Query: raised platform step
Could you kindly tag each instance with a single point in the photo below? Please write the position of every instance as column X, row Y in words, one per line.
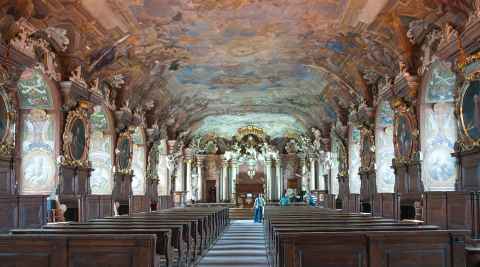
column 241, row 213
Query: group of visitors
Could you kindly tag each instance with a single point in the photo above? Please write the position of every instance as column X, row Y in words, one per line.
column 259, row 204
column 310, row 199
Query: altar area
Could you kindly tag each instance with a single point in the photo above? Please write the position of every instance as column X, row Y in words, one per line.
column 235, row 170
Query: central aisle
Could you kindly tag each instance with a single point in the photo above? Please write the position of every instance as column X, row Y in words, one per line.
column 242, row 244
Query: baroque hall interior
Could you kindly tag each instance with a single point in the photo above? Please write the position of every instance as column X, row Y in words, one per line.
column 155, row 131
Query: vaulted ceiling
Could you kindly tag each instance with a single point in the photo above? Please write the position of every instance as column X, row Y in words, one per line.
column 206, row 63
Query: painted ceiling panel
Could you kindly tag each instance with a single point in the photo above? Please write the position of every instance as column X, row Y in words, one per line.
column 275, row 125
column 311, row 59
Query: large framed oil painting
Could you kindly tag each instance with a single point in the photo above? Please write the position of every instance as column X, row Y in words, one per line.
column 470, row 110
column 76, row 136
column 124, row 152
column 403, row 135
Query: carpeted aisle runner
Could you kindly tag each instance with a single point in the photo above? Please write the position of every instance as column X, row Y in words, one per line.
column 242, row 244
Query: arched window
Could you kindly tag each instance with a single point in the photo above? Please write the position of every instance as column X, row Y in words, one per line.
column 100, row 152
column 138, row 162
column 354, row 160
column 38, row 121
column 438, row 129
column 334, row 187
column 384, row 150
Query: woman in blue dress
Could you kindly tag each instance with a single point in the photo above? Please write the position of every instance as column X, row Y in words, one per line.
column 258, row 205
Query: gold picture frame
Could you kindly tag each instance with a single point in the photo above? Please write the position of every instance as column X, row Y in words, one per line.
column 405, row 134
column 76, row 138
column 468, row 104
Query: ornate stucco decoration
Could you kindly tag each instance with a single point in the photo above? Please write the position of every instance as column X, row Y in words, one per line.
column 22, row 42
column 405, row 80
column 76, row 76
column 385, row 85
column 361, row 114
column 76, row 137
column 250, row 129
column 470, row 67
column 449, row 35
column 123, row 116
column 429, row 47
column 203, row 145
column 107, row 89
column 38, row 44
column 319, row 143
column 7, row 117
column 367, row 148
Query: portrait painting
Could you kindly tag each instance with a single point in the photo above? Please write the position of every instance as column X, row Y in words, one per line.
column 404, row 138
column 123, row 153
column 470, row 110
column 78, row 139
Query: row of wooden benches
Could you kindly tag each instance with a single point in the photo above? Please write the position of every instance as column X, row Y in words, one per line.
column 172, row 237
column 314, row 237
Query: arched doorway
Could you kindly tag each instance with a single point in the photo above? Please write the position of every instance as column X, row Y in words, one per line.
column 250, row 184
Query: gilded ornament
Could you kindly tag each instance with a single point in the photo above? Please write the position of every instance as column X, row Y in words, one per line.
column 76, row 138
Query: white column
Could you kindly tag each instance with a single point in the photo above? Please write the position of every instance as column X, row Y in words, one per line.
column 321, row 172
column 200, row 178
column 225, row 196
column 312, row 173
column 179, row 176
column 163, row 178
column 189, row 180
column 268, row 172
column 233, row 189
column 304, row 184
column 279, row 178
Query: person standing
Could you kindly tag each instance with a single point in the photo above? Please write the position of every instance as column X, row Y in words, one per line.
column 284, row 200
column 258, row 205
column 311, row 199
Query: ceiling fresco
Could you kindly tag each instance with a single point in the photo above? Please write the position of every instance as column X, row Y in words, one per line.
column 194, row 60
column 226, row 126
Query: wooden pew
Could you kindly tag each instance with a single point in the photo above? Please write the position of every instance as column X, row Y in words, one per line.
column 181, row 235
column 78, row 250
column 177, row 241
column 163, row 237
column 436, row 248
column 202, row 236
column 308, row 237
column 193, row 237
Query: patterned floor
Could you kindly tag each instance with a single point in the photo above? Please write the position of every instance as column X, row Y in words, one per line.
column 242, row 244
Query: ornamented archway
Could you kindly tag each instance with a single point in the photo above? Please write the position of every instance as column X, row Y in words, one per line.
column 250, row 150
